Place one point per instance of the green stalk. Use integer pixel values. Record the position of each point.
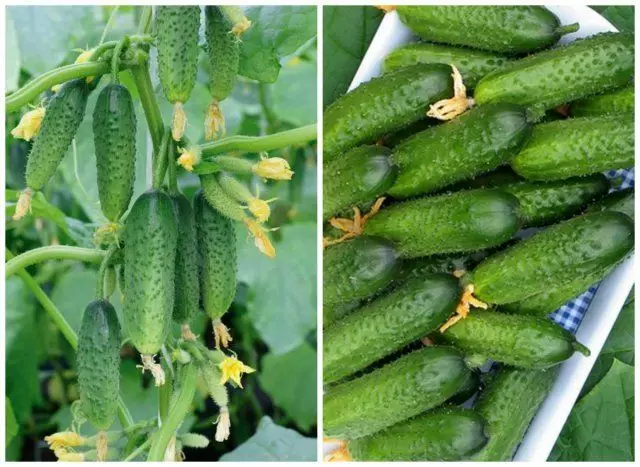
(145, 20)
(88, 255)
(149, 103)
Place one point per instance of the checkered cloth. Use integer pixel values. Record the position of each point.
(570, 315)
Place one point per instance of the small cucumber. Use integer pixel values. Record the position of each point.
(223, 49)
(509, 403)
(503, 29)
(360, 176)
(615, 102)
(383, 105)
(478, 141)
(619, 201)
(387, 324)
(517, 340)
(458, 222)
(98, 363)
(413, 384)
(577, 146)
(555, 256)
(445, 434)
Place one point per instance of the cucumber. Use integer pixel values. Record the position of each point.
(387, 324)
(393, 139)
(223, 51)
(509, 403)
(517, 340)
(619, 201)
(472, 64)
(98, 363)
(417, 268)
(548, 79)
(114, 136)
(458, 222)
(578, 247)
(501, 176)
(445, 434)
(333, 313)
(360, 176)
(503, 29)
(577, 146)
(615, 102)
(478, 141)
(383, 105)
(151, 240)
(413, 384)
(220, 200)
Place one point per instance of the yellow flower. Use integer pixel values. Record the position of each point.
(274, 168)
(260, 238)
(260, 209)
(29, 124)
(189, 157)
(241, 26)
(233, 369)
(84, 57)
(223, 425)
(68, 456)
(65, 439)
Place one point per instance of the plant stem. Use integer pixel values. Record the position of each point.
(145, 20)
(88, 255)
(160, 161)
(138, 450)
(264, 96)
(149, 104)
(103, 271)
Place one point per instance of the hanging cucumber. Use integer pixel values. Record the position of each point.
(615, 102)
(619, 201)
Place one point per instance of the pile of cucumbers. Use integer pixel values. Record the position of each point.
(491, 221)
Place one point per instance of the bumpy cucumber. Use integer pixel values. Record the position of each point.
(501, 176)
(61, 121)
(472, 64)
(335, 312)
(357, 178)
(578, 247)
(98, 363)
(508, 405)
(547, 79)
(220, 200)
(151, 240)
(393, 139)
(413, 384)
(187, 285)
(619, 201)
(217, 258)
(114, 135)
(356, 269)
(517, 340)
(417, 268)
(223, 49)
(503, 29)
(578, 146)
(445, 434)
(383, 105)
(476, 142)
(462, 221)
(387, 324)
(615, 102)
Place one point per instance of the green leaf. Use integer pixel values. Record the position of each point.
(622, 17)
(12, 56)
(274, 443)
(276, 31)
(290, 380)
(11, 424)
(347, 32)
(294, 94)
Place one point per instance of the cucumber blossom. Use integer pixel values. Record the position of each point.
(615, 102)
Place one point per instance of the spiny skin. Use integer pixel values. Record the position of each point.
(413, 384)
(578, 146)
(360, 176)
(445, 434)
(447, 264)
(356, 269)
(563, 74)
(517, 340)
(335, 312)
(619, 201)
(471, 63)
(223, 49)
(614, 102)
(387, 324)
(176, 37)
(500, 176)
(151, 240)
(383, 105)
(393, 139)
(476, 142)
(219, 199)
(508, 405)
(98, 363)
(458, 222)
(114, 136)
(61, 121)
(555, 256)
(503, 29)
(218, 258)
(187, 284)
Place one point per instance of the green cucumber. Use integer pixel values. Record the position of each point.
(501, 176)
(445, 434)
(619, 201)
(509, 403)
(223, 50)
(387, 324)
(503, 29)
(335, 312)
(417, 268)
(615, 102)
(472, 64)
(457, 222)
(413, 384)
(554, 77)
(517, 340)
(360, 176)
(555, 256)
(478, 141)
(393, 139)
(151, 240)
(98, 363)
(114, 135)
(383, 105)
(220, 200)
(577, 146)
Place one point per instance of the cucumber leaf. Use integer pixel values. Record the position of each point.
(621, 16)
(11, 424)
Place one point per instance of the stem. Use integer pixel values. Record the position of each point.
(138, 450)
(264, 96)
(102, 272)
(171, 166)
(109, 22)
(28, 258)
(149, 104)
(160, 161)
(145, 20)
(164, 393)
(115, 60)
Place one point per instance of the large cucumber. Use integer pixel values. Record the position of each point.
(619, 201)
(615, 102)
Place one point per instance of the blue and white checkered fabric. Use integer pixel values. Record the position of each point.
(570, 315)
